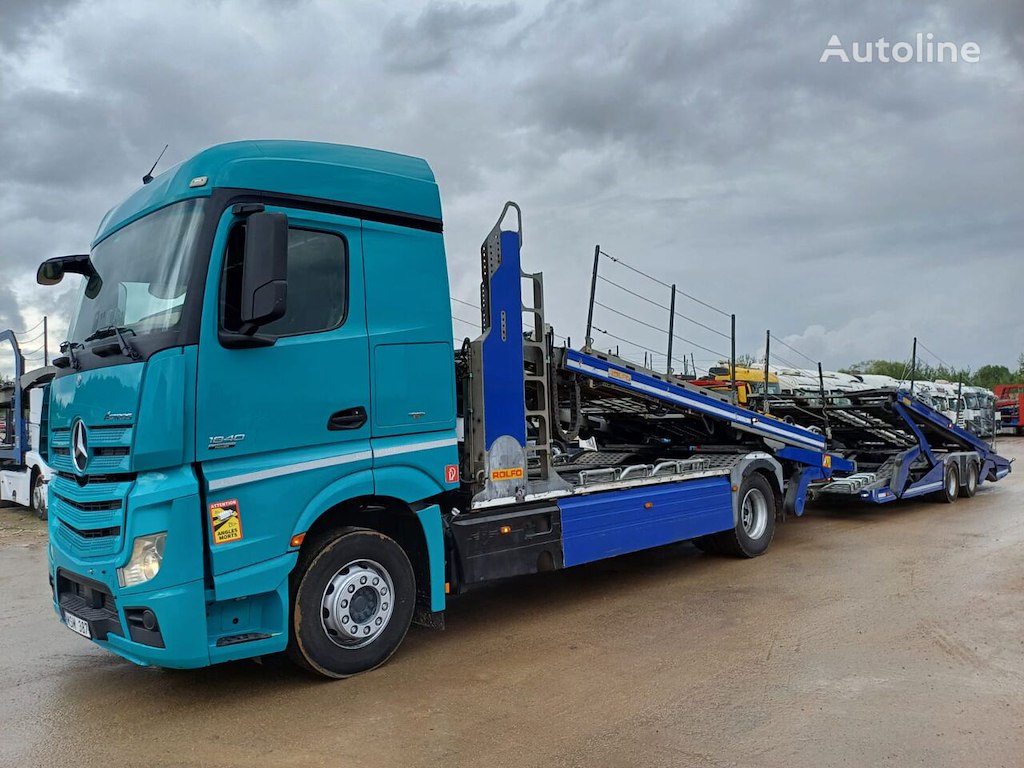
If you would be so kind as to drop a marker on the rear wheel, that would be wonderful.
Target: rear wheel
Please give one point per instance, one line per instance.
(950, 485)
(352, 604)
(970, 486)
(38, 498)
(755, 523)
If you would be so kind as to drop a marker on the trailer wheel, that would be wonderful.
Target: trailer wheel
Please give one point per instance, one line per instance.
(352, 603)
(970, 486)
(755, 524)
(38, 496)
(950, 485)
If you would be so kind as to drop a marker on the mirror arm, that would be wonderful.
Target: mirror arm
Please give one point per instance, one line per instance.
(232, 340)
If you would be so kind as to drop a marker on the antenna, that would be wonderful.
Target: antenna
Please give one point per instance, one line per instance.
(149, 176)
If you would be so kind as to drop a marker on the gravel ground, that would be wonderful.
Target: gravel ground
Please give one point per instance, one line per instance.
(865, 637)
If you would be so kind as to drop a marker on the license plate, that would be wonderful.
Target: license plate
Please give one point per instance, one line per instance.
(75, 624)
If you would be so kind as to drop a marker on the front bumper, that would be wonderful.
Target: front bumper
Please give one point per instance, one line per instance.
(174, 637)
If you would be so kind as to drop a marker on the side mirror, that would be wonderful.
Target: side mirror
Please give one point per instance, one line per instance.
(52, 271)
(264, 270)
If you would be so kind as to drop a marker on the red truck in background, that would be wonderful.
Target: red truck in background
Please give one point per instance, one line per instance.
(1010, 404)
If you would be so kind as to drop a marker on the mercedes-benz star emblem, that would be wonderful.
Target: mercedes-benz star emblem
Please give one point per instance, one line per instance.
(79, 446)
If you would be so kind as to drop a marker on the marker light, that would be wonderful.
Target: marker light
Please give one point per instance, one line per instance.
(147, 555)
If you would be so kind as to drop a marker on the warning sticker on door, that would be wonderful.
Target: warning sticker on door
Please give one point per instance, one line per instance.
(226, 521)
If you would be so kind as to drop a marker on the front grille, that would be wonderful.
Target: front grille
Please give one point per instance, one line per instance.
(109, 449)
(93, 533)
(121, 451)
(89, 509)
(90, 542)
(90, 506)
(84, 480)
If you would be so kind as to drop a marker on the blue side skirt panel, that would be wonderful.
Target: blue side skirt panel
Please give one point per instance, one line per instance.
(613, 523)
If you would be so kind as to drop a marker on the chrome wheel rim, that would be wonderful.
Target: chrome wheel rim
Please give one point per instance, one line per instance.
(972, 479)
(754, 513)
(38, 500)
(951, 484)
(357, 604)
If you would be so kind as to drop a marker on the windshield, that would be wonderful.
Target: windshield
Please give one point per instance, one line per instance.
(145, 268)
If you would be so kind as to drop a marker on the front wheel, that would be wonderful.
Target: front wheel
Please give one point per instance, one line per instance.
(352, 603)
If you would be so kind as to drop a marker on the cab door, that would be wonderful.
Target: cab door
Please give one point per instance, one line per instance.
(277, 424)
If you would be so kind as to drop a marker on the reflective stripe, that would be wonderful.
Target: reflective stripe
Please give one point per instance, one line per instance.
(413, 447)
(924, 489)
(329, 461)
(289, 469)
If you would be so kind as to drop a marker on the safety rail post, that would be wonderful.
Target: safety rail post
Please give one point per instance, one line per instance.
(767, 352)
(732, 366)
(824, 402)
(589, 341)
(913, 365)
(671, 329)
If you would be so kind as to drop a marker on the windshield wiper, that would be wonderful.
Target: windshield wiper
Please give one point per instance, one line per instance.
(68, 348)
(119, 331)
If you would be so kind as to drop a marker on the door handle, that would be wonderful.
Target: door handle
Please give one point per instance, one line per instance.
(350, 418)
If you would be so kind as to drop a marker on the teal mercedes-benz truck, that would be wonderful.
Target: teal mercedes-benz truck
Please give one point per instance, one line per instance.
(264, 439)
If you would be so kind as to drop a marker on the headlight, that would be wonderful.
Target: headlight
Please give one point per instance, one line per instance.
(147, 554)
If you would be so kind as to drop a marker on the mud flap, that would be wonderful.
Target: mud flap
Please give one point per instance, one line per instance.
(796, 489)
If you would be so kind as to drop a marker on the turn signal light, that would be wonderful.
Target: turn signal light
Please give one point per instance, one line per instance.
(506, 529)
(297, 539)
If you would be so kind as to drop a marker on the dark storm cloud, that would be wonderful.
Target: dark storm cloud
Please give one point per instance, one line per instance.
(10, 316)
(429, 41)
(845, 206)
(19, 19)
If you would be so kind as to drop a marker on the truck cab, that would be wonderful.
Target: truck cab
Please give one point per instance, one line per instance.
(1010, 406)
(206, 420)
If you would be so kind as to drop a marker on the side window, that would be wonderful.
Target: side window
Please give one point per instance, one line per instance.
(317, 283)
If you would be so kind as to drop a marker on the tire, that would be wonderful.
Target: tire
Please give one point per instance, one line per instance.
(37, 497)
(950, 485)
(970, 486)
(755, 524)
(361, 582)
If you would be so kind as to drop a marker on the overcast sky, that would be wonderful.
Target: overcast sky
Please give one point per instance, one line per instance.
(845, 206)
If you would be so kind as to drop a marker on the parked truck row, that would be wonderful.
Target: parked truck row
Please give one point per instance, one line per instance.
(1009, 403)
(971, 407)
(24, 407)
(193, 520)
